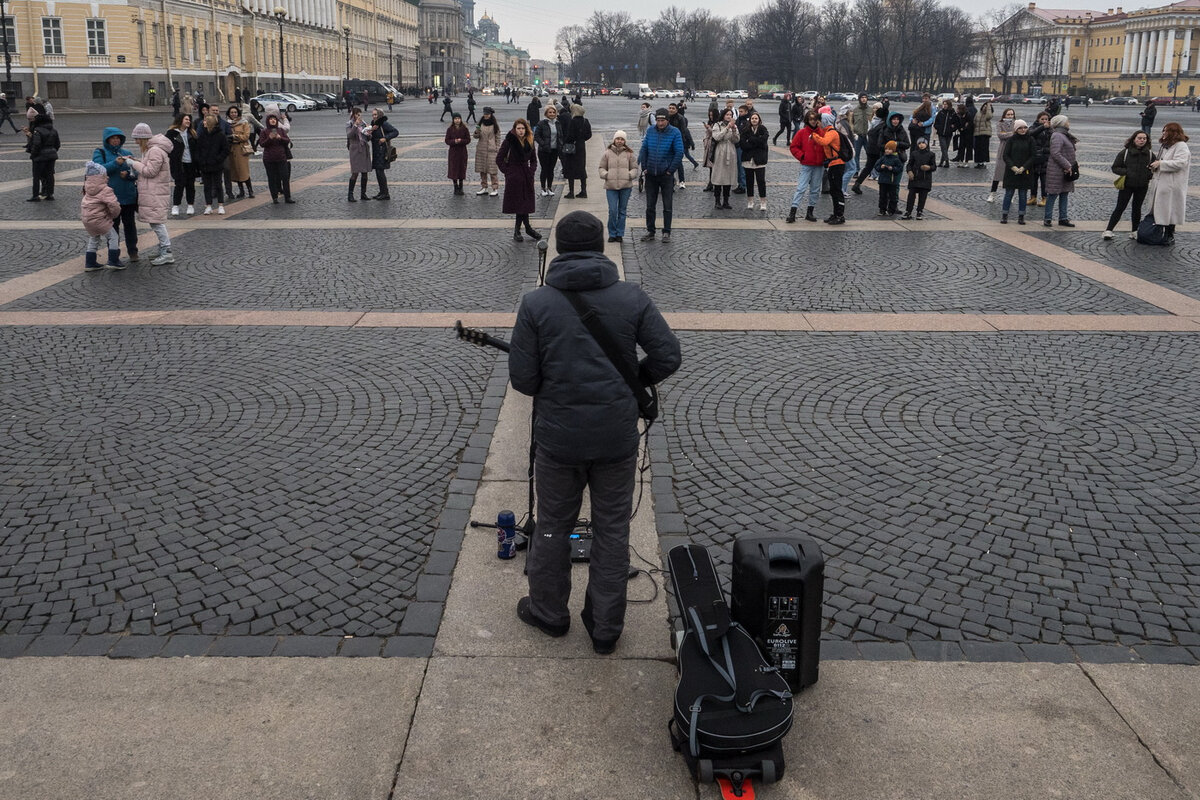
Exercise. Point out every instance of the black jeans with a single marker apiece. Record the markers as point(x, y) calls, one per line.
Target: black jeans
point(43, 178)
point(1123, 198)
point(213, 188)
point(835, 174)
point(663, 184)
point(185, 185)
point(381, 177)
point(758, 175)
point(866, 170)
point(919, 196)
point(278, 178)
point(128, 218)
point(547, 158)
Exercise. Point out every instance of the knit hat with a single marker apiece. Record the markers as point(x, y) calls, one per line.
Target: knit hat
point(1020, 123)
point(923, 140)
point(456, 115)
point(823, 110)
point(621, 135)
point(92, 168)
point(579, 232)
point(489, 110)
point(1060, 121)
point(662, 112)
point(142, 131)
point(827, 119)
point(890, 147)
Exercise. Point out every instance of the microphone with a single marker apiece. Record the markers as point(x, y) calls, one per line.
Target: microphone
point(543, 247)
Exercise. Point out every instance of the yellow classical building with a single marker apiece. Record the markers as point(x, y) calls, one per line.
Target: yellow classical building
point(1147, 53)
point(114, 52)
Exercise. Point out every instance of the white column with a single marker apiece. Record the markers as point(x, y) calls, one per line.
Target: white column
point(1185, 58)
point(1166, 41)
point(1127, 54)
point(1156, 53)
point(1169, 53)
point(1145, 56)
point(1064, 64)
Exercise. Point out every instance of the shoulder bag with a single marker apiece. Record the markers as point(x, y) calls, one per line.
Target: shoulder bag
point(1120, 181)
point(646, 396)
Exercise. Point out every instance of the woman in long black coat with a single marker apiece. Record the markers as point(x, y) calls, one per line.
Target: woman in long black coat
point(518, 161)
point(579, 130)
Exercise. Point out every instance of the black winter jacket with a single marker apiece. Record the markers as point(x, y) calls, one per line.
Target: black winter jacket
point(210, 150)
point(43, 143)
point(1021, 151)
point(1134, 164)
point(1041, 140)
point(584, 409)
point(894, 133)
point(922, 179)
point(945, 123)
point(754, 145)
point(541, 134)
point(383, 135)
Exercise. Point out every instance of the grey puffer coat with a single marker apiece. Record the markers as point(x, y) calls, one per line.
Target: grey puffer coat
point(585, 410)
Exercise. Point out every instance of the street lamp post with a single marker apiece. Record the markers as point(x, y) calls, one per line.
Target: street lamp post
point(391, 64)
point(346, 33)
point(280, 12)
point(442, 51)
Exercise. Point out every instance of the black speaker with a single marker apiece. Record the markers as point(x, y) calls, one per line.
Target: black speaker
point(778, 586)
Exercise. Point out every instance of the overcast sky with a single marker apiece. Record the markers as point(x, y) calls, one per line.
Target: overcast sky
point(532, 24)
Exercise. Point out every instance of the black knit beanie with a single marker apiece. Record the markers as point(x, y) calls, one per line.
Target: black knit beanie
point(579, 232)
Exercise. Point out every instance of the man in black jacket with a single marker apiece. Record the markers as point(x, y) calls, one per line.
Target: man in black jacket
point(586, 425)
point(676, 119)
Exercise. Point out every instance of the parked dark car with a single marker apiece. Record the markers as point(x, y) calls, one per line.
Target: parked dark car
point(894, 97)
point(1165, 101)
point(1077, 100)
point(321, 100)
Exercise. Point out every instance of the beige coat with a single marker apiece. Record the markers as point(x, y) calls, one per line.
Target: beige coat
point(618, 167)
point(724, 157)
point(1168, 188)
point(486, 149)
point(239, 161)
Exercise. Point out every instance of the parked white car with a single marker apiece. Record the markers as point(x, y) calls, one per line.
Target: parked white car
point(286, 101)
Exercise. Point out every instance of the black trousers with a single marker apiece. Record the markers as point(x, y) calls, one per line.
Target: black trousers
point(547, 158)
point(1123, 198)
point(866, 170)
point(758, 176)
point(663, 184)
point(279, 174)
point(944, 143)
point(213, 187)
point(835, 174)
point(918, 196)
point(381, 177)
point(128, 218)
point(185, 185)
point(43, 178)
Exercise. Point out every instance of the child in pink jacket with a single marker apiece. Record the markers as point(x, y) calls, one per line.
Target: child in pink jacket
point(98, 210)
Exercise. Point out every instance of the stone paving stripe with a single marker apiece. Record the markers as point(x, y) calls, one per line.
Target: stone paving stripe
point(1061, 322)
point(897, 322)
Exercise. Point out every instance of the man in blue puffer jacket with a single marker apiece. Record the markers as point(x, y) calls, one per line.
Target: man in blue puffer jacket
point(586, 425)
point(661, 155)
point(123, 181)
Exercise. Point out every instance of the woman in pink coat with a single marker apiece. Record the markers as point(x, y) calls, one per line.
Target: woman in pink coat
point(154, 186)
point(97, 210)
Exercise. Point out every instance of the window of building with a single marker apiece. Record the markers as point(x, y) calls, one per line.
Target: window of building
point(206, 51)
point(141, 34)
point(158, 39)
point(101, 90)
point(1077, 43)
point(195, 44)
point(217, 43)
point(52, 39)
point(56, 90)
point(182, 43)
point(97, 38)
point(1074, 65)
point(10, 29)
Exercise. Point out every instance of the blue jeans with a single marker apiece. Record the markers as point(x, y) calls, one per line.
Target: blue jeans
point(1062, 206)
point(859, 143)
point(741, 170)
point(1008, 195)
point(810, 179)
point(618, 201)
point(848, 175)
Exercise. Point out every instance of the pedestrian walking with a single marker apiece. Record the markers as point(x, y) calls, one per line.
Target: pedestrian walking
point(1004, 132)
point(518, 161)
point(811, 156)
point(1061, 171)
point(890, 168)
point(114, 158)
point(212, 147)
point(176, 104)
point(1168, 190)
point(470, 108)
point(457, 138)
point(446, 109)
point(42, 145)
point(659, 157)
point(487, 144)
point(922, 163)
point(381, 133)
point(1132, 164)
point(97, 211)
point(6, 114)
point(548, 136)
point(619, 171)
point(1020, 159)
point(358, 147)
point(754, 160)
point(586, 430)
point(183, 163)
point(1148, 114)
point(275, 145)
point(785, 118)
point(240, 150)
point(154, 186)
point(676, 118)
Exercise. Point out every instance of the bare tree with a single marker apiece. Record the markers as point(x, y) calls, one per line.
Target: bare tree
point(779, 40)
point(1003, 38)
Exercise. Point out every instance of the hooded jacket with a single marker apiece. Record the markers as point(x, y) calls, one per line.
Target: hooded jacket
point(99, 205)
point(43, 143)
point(125, 188)
point(584, 409)
point(894, 133)
point(154, 182)
point(805, 149)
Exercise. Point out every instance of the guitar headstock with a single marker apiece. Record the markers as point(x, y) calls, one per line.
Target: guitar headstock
point(470, 334)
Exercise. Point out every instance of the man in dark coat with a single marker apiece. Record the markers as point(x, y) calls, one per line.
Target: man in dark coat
point(446, 109)
point(533, 112)
point(471, 106)
point(586, 425)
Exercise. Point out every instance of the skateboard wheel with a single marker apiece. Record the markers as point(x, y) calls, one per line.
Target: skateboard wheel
point(768, 772)
point(704, 771)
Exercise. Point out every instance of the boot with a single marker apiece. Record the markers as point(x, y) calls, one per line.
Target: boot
point(837, 220)
point(350, 196)
point(363, 191)
point(809, 216)
point(517, 237)
point(708, 188)
point(1021, 219)
point(582, 189)
point(249, 190)
point(90, 264)
point(570, 195)
point(1004, 219)
point(114, 259)
point(531, 232)
point(791, 217)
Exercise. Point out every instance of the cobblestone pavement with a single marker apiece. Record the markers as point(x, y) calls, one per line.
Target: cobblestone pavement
point(300, 486)
point(846, 272)
point(195, 483)
point(1014, 488)
point(1086, 203)
point(474, 270)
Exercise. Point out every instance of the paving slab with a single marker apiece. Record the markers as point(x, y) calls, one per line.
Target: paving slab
point(209, 729)
point(1162, 705)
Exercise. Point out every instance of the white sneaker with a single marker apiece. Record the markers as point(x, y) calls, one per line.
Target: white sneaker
point(750, 204)
point(682, 185)
point(545, 193)
point(165, 257)
point(549, 193)
point(174, 211)
point(494, 192)
point(191, 209)
point(991, 198)
point(207, 210)
point(221, 210)
point(1133, 234)
point(482, 191)
point(1107, 235)
point(762, 206)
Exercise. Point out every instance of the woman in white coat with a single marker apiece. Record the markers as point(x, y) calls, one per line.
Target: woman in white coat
point(1168, 189)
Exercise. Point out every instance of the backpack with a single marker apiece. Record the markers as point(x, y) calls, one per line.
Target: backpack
point(845, 146)
point(1151, 233)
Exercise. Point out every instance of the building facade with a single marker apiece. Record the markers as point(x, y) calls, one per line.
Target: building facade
point(1147, 53)
point(113, 52)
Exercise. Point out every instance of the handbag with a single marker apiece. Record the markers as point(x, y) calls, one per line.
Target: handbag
point(247, 149)
point(1072, 174)
point(646, 396)
point(1120, 181)
point(568, 148)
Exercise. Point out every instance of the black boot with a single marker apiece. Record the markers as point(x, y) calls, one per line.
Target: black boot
point(791, 217)
point(809, 216)
point(517, 237)
point(350, 196)
point(570, 195)
point(531, 232)
point(582, 188)
point(249, 190)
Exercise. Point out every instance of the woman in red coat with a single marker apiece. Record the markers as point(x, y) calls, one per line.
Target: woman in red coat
point(457, 137)
point(518, 161)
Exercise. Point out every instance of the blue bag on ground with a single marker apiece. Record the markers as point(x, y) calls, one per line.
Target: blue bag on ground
point(1149, 232)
